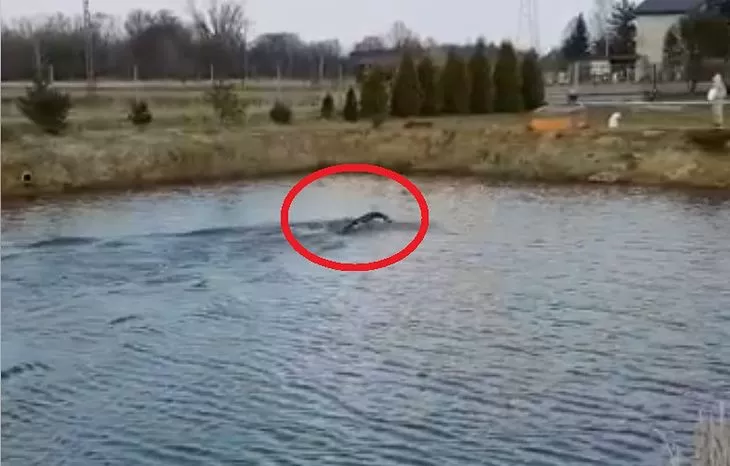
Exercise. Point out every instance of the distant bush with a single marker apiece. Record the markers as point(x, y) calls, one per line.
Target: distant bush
point(713, 139)
point(406, 98)
point(139, 113)
point(281, 113)
point(373, 95)
point(378, 119)
point(507, 81)
point(350, 112)
point(429, 84)
point(327, 109)
point(480, 74)
point(417, 124)
point(46, 107)
point(226, 103)
point(533, 84)
point(454, 85)
point(8, 133)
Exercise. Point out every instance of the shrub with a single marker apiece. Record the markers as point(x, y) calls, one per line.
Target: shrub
point(139, 113)
point(454, 85)
point(378, 119)
point(428, 82)
point(711, 140)
point(373, 96)
point(46, 107)
point(328, 107)
point(533, 85)
point(417, 124)
point(507, 86)
point(8, 133)
point(480, 74)
point(350, 112)
point(281, 113)
point(406, 98)
point(226, 103)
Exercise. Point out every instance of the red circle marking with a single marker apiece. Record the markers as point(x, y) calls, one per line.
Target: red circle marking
point(354, 168)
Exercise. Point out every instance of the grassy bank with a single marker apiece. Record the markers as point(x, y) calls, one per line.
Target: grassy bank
point(497, 147)
point(172, 96)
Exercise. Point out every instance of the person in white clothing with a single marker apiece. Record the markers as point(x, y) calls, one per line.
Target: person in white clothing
point(716, 97)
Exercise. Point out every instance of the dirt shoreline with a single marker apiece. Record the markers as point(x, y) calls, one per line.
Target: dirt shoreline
point(127, 160)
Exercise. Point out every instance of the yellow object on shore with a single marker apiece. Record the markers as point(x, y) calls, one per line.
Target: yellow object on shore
point(558, 118)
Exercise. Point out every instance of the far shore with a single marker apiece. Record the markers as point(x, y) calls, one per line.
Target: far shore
point(493, 147)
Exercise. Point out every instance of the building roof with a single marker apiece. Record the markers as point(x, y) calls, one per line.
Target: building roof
point(393, 56)
point(666, 7)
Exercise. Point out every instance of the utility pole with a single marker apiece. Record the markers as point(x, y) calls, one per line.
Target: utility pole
point(320, 70)
point(89, 46)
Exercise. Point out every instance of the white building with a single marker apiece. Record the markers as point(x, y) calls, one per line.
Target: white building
point(653, 19)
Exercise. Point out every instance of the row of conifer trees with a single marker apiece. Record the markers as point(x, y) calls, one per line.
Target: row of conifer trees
point(513, 84)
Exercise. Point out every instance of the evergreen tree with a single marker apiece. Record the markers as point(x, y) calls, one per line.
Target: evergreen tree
point(226, 102)
point(281, 113)
point(672, 50)
point(139, 113)
point(481, 80)
point(406, 98)
point(428, 82)
point(454, 85)
point(350, 112)
point(622, 25)
point(533, 84)
point(373, 95)
point(577, 45)
point(507, 81)
point(46, 107)
point(705, 34)
point(327, 109)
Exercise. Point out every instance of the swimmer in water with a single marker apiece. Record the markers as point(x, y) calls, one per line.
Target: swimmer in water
point(370, 216)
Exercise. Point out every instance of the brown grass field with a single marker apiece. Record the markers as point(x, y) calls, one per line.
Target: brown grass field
point(181, 104)
point(195, 113)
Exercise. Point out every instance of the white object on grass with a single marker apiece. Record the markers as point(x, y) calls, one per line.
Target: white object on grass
point(614, 119)
point(716, 96)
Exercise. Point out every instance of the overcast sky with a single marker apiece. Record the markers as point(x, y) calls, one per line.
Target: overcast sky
point(350, 20)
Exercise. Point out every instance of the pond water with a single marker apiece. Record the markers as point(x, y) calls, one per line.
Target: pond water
point(533, 326)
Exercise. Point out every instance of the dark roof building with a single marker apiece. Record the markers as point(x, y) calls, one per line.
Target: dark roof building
point(667, 7)
point(391, 57)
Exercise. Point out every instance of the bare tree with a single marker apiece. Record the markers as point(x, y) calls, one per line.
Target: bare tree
point(400, 36)
point(161, 45)
point(370, 43)
point(600, 24)
point(223, 30)
point(429, 43)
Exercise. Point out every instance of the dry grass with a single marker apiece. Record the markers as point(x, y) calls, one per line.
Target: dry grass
point(180, 100)
point(108, 108)
point(175, 104)
point(151, 88)
point(174, 93)
point(494, 146)
point(654, 116)
point(115, 117)
point(193, 112)
point(711, 442)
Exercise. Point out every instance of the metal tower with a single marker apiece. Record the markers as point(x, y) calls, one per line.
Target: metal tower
point(528, 26)
point(89, 44)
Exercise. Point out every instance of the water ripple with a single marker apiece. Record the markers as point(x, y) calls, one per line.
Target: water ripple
point(544, 326)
